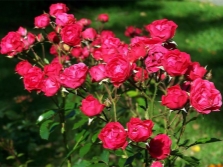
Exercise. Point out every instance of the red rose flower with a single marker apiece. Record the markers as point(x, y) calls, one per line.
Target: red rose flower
point(42, 21)
point(113, 136)
point(175, 98)
point(53, 69)
point(11, 44)
point(58, 8)
point(175, 62)
point(140, 74)
point(103, 17)
point(204, 97)
point(97, 73)
point(138, 130)
point(195, 71)
point(71, 34)
point(74, 76)
point(163, 29)
point(52, 37)
point(23, 67)
point(160, 147)
point(90, 106)
point(33, 79)
point(132, 31)
point(118, 70)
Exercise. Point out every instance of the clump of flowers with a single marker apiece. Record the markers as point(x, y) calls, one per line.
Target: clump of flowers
point(109, 75)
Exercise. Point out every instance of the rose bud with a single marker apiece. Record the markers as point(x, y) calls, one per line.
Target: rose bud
point(103, 17)
point(40, 37)
point(42, 21)
point(90, 106)
point(23, 67)
point(89, 34)
point(58, 8)
point(22, 31)
point(156, 164)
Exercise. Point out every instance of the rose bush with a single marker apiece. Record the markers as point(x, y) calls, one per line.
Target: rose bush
point(113, 87)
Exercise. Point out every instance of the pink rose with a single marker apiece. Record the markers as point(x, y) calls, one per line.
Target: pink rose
point(63, 19)
point(22, 31)
point(195, 71)
point(29, 40)
point(204, 97)
point(176, 98)
point(103, 17)
point(156, 164)
point(74, 76)
point(42, 21)
point(90, 106)
point(97, 73)
point(52, 37)
point(153, 61)
point(118, 70)
point(23, 67)
point(113, 136)
point(58, 8)
point(33, 79)
point(175, 62)
point(138, 130)
point(89, 34)
point(71, 34)
point(107, 34)
point(140, 74)
point(11, 44)
point(76, 52)
point(50, 86)
point(163, 29)
point(160, 147)
point(54, 49)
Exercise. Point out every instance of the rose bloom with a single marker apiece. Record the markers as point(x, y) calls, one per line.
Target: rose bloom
point(23, 67)
point(89, 34)
point(52, 37)
point(195, 71)
point(204, 97)
point(118, 70)
point(97, 73)
point(63, 19)
point(163, 29)
point(103, 17)
point(113, 136)
point(11, 44)
point(176, 98)
point(137, 51)
point(22, 31)
point(29, 40)
point(50, 86)
point(74, 76)
point(76, 52)
point(90, 106)
point(84, 22)
point(138, 130)
point(53, 69)
point(160, 147)
point(156, 164)
point(42, 21)
point(175, 62)
point(153, 61)
point(58, 8)
point(71, 34)
point(140, 74)
point(33, 79)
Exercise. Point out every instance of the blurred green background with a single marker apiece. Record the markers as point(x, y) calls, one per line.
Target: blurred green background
point(199, 33)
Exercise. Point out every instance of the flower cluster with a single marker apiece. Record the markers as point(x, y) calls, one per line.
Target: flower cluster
point(82, 54)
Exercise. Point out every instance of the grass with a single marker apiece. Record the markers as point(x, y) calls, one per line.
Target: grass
point(199, 33)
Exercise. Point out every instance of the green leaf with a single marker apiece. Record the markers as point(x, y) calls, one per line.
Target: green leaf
point(98, 165)
point(129, 160)
point(10, 157)
point(132, 93)
point(52, 126)
point(85, 149)
point(45, 116)
point(79, 123)
point(184, 143)
point(105, 156)
point(20, 154)
point(44, 129)
point(191, 160)
point(204, 141)
point(83, 163)
point(94, 137)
